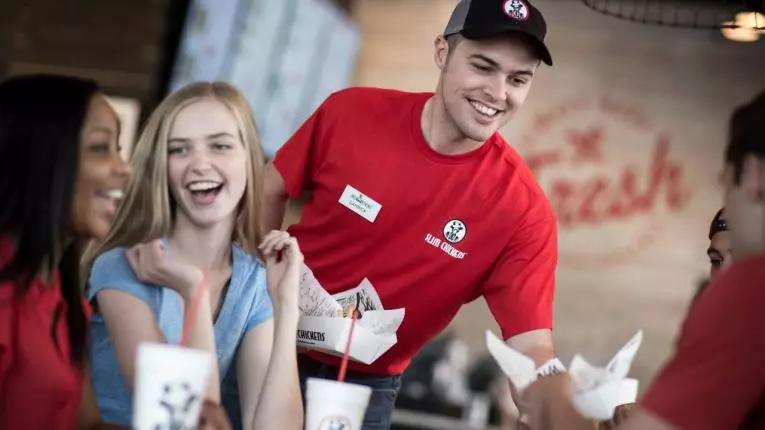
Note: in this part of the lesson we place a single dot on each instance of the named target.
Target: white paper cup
(335, 405)
(170, 384)
(600, 402)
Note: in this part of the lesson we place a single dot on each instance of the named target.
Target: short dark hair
(746, 135)
(452, 41)
(41, 120)
(718, 224)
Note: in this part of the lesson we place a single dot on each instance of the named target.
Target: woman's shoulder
(112, 270)
(247, 261)
(111, 257)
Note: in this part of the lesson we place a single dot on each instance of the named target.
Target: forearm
(202, 336)
(537, 345)
(273, 210)
(279, 403)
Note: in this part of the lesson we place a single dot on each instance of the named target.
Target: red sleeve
(717, 374)
(87, 309)
(7, 307)
(299, 158)
(520, 288)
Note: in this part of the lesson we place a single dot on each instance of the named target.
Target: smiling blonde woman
(192, 208)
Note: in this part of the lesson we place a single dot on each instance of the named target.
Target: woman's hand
(283, 263)
(213, 417)
(153, 264)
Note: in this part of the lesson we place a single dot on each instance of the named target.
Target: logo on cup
(178, 400)
(335, 422)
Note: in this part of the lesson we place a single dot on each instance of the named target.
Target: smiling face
(207, 163)
(483, 83)
(102, 173)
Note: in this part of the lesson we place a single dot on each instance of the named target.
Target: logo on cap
(516, 9)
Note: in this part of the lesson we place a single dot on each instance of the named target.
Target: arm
(274, 199)
(118, 283)
(89, 418)
(267, 373)
(536, 344)
(267, 368)
(292, 170)
(131, 322)
(521, 286)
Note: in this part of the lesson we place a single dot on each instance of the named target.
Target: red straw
(344, 362)
(192, 310)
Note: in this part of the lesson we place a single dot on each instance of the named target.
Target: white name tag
(360, 203)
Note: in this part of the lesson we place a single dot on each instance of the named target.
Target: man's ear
(441, 52)
(753, 178)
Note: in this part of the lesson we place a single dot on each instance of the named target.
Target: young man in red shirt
(420, 194)
(716, 379)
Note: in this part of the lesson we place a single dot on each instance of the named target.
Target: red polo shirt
(716, 379)
(430, 231)
(40, 388)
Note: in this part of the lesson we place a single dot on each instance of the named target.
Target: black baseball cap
(482, 19)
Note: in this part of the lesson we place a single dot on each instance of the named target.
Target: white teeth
(114, 193)
(484, 109)
(203, 185)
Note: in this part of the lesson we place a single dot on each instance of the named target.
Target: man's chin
(480, 135)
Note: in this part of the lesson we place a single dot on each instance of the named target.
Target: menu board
(206, 41)
(286, 56)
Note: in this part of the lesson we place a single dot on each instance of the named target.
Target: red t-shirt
(449, 230)
(716, 380)
(40, 388)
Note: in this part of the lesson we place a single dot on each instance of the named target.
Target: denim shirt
(245, 305)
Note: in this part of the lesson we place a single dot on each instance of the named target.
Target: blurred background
(625, 133)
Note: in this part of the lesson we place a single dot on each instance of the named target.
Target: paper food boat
(597, 391)
(325, 322)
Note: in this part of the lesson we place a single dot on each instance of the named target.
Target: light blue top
(245, 305)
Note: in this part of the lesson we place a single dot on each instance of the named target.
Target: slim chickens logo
(335, 422)
(610, 175)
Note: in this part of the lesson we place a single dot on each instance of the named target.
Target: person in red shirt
(719, 251)
(60, 177)
(420, 194)
(716, 378)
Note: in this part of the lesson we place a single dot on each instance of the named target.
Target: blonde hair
(146, 212)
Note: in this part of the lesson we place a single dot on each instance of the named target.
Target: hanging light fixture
(747, 27)
(697, 14)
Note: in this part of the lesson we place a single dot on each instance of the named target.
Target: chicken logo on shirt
(454, 231)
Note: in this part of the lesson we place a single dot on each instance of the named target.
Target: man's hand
(551, 406)
(621, 413)
(213, 417)
(537, 345)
